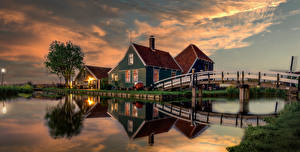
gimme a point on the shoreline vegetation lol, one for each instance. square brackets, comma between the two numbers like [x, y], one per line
[7, 91]
[280, 134]
[230, 92]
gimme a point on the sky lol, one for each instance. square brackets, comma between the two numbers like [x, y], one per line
[255, 35]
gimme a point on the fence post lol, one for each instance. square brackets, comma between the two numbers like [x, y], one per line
[163, 85]
[172, 83]
[243, 75]
[222, 77]
[277, 82]
[180, 82]
[259, 77]
[299, 84]
[208, 77]
[238, 77]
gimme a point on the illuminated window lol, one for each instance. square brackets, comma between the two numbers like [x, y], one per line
[116, 77]
[127, 76]
[135, 75]
[130, 125]
[173, 73]
[130, 59]
[127, 109]
[155, 75]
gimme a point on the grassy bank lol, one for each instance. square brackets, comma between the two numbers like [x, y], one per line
[187, 93]
[280, 134]
[233, 92]
[14, 90]
[229, 92]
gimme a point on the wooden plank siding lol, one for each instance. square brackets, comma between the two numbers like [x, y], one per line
[200, 65]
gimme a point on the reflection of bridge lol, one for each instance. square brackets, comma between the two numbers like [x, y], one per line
[201, 117]
[264, 79]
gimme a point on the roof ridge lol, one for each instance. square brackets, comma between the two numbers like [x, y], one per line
[192, 45]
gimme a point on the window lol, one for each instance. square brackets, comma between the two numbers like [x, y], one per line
[130, 59]
[173, 73]
[135, 75]
[116, 77]
[127, 76]
[155, 75]
[130, 125]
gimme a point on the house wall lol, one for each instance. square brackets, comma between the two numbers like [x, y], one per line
[123, 66]
[200, 65]
[163, 74]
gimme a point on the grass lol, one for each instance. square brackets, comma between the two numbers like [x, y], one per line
[230, 92]
[279, 135]
[124, 91]
[14, 90]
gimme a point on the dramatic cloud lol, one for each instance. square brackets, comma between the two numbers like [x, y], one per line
[103, 28]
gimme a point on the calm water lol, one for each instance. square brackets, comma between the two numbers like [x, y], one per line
[78, 123]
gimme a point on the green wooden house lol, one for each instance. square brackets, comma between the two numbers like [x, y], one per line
[143, 64]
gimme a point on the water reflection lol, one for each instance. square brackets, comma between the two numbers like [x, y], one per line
[65, 119]
[140, 119]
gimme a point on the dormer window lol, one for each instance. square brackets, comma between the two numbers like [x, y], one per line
[130, 59]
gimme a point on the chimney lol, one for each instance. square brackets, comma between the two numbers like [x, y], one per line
[152, 42]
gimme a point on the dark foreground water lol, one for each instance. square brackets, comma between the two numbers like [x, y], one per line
[77, 123]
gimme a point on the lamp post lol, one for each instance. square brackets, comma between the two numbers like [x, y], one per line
[3, 71]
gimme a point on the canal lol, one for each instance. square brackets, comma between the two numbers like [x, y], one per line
[85, 123]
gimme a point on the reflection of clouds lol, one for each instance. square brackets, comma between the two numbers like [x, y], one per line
[208, 141]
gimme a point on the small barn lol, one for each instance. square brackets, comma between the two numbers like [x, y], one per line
[90, 77]
[143, 64]
[193, 58]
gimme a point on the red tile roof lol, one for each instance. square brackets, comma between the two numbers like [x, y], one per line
[98, 111]
[190, 131]
[156, 57]
[99, 72]
[155, 126]
[187, 57]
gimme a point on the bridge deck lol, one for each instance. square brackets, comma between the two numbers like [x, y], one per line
[227, 119]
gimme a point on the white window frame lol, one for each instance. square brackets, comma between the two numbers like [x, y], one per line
[130, 59]
[135, 74]
[128, 79]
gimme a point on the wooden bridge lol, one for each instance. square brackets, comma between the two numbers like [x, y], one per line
[201, 117]
[264, 79]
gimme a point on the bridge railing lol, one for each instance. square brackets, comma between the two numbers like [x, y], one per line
[287, 79]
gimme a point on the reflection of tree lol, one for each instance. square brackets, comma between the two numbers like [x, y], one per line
[63, 120]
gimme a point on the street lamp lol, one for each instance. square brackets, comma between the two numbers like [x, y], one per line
[3, 71]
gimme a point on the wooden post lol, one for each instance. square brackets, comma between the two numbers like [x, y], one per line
[221, 119]
[257, 121]
[299, 84]
[163, 85]
[208, 77]
[259, 77]
[172, 83]
[222, 77]
[277, 82]
[276, 107]
[151, 139]
[241, 124]
[236, 119]
[243, 77]
[207, 118]
[238, 77]
[180, 82]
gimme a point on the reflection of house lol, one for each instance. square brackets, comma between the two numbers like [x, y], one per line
[192, 57]
[91, 76]
[98, 111]
[140, 119]
[145, 64]
[189, 130]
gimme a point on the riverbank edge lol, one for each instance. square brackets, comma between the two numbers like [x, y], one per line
[170, 95]
[280, 134]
